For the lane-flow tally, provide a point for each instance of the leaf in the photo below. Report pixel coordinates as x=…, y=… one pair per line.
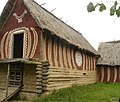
x=102, y=7
x=113, y=9
x=90, y=7
x=118, y=12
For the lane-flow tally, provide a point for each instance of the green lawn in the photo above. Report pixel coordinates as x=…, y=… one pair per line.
x=99, y=92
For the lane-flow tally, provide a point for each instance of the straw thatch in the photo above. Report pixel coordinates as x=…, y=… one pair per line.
x=109, y=53
x=48, y=21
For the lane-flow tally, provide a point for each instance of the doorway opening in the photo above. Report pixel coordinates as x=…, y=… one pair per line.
x=18, y=45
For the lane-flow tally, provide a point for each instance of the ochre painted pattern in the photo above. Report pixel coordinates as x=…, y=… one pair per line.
x=63, y=55
x=63, y=60
x=102, y=74
x=72, y=58
x=50, y=51
x=58, y=54
x=83, y=59
x=2, y=45
x=68, y=66
x=68, y=57
x=109, y=74
x=115, y=74
x=29, y=47
x=86, y=62
x=7, y=27
x=94, y=61
x=55, y=54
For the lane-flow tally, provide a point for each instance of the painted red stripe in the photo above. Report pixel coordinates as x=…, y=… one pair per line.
x=105, y=74
x=111, y=74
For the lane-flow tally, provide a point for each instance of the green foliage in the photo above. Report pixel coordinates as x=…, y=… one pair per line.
x=99, y=92
x=114, y=10
x=90, y=7
x=118, y=12
x=102, y=7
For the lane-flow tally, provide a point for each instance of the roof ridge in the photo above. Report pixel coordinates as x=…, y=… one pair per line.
x=115, y=41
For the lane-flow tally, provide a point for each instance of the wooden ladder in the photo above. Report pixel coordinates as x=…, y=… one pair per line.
x=16, y=74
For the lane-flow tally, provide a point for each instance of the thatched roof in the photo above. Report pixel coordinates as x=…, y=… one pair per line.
x=109, y=53
x=48, y=21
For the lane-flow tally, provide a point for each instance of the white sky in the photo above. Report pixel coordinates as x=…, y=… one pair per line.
x=95, y=27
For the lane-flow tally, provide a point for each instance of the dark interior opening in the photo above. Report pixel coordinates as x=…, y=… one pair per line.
x=18, y=46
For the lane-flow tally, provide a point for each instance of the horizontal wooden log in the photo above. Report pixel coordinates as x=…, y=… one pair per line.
x=46, y=64
x=45, y=81
x=39, y=69
x=38, y=83
x=39, y=65
x=38, y=87
x=38, y=76
x=69, y=76
x=45, y=68
x=45, y=71
x=69, y=83
x=45, y=78
x=39, y=72
x=45, y=74
x=45, y=61
x=58, y=80
x=39, y=80
x=39, y=91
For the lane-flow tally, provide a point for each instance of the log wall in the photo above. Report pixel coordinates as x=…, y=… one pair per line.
x=109, y=73
x=29, y=78
x=3, y=75
x=51, y=78
x=64, y=77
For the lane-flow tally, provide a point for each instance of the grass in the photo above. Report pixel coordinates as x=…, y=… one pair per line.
x=99, y=92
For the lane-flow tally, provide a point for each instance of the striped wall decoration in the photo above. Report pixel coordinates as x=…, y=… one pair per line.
x=30, y=42
x=109, y=73
x=61, y=54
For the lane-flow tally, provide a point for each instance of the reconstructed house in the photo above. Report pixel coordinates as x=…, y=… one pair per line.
x=108, y=63
x=39, y=52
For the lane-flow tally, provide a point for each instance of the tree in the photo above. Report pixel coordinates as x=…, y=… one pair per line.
x=114, y=10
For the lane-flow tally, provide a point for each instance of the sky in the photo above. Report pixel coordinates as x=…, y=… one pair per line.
x=96, y=27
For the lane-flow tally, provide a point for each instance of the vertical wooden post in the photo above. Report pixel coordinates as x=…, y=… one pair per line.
x=7, y=84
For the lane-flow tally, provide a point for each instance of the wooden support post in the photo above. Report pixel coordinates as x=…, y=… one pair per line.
x=7, y=84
